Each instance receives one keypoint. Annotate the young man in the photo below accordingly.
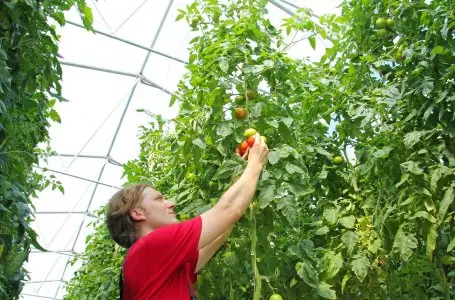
(163, 254)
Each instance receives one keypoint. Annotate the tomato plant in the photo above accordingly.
(29, 74)
(380, 224)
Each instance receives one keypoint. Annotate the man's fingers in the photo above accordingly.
(257, 139)
(245, 155)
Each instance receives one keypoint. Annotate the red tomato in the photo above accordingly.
(243, 147)
(237, 150)
(241, 113)
(250, 141)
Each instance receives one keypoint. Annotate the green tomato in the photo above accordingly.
(239, 99)
(389, 23)
(337, 160)
(276, 297)
(381, 33)
(381, 23)
(249, 132)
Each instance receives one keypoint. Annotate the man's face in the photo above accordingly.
(155, 210)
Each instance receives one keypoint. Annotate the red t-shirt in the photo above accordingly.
(159, 265)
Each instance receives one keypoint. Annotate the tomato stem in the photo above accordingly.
(254, 239)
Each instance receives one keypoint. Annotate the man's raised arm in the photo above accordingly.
(237, 198)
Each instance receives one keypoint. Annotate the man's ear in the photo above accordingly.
(137, 214)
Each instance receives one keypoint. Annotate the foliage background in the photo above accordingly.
(30, 77)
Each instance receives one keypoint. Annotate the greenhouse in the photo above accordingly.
(282, 149)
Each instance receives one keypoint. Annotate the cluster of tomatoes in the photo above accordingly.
(383, 26)
(250, 136)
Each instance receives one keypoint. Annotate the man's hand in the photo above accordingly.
(246, 154)
(259, 152)
(237, 198)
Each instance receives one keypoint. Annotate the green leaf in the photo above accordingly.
(425, 18)
(323, 174)
(59, 17)
(268, 63)
(445, 203)
(221, 149)
(284, 131)
(3, 108)
(173, 99)
(436, 174)
(301, 190)
(274, 157)
(349, 239)
(451, 245)
(411, 138)
(427, 85)
(293, 282)
(429, 205)
(373, 248)
(266, 195)
(412, 167)
(428, 112)
(330, 214)
(289, 209)
(88, 15)
(200, 143)
(325, 291)
(360, 267)
(309, 275)
(256, 110)
(335, 264)
(348, 221)
(437, 50)
(54, 116)
(324, 152)
(404, 243)
(312, 40)
(423, 214)
(321, 231)
(431, 241)
(346, 277)
(224, 130)
(228, 169)
(291, 169)
(224, 64)
(14, 263)
(179, 17)
(382, 153)
(258, 69)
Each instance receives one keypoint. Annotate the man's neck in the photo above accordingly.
(143, 231)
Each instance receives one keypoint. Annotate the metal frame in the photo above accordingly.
(61, 252)
(44, 297)
(79, 177)
(130, 43)
(290, 4)
(107, 158)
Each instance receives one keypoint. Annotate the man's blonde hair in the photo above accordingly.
(118, 219)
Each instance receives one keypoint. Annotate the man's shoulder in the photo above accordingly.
(164, 232)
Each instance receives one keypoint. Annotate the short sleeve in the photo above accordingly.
(175, 244)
